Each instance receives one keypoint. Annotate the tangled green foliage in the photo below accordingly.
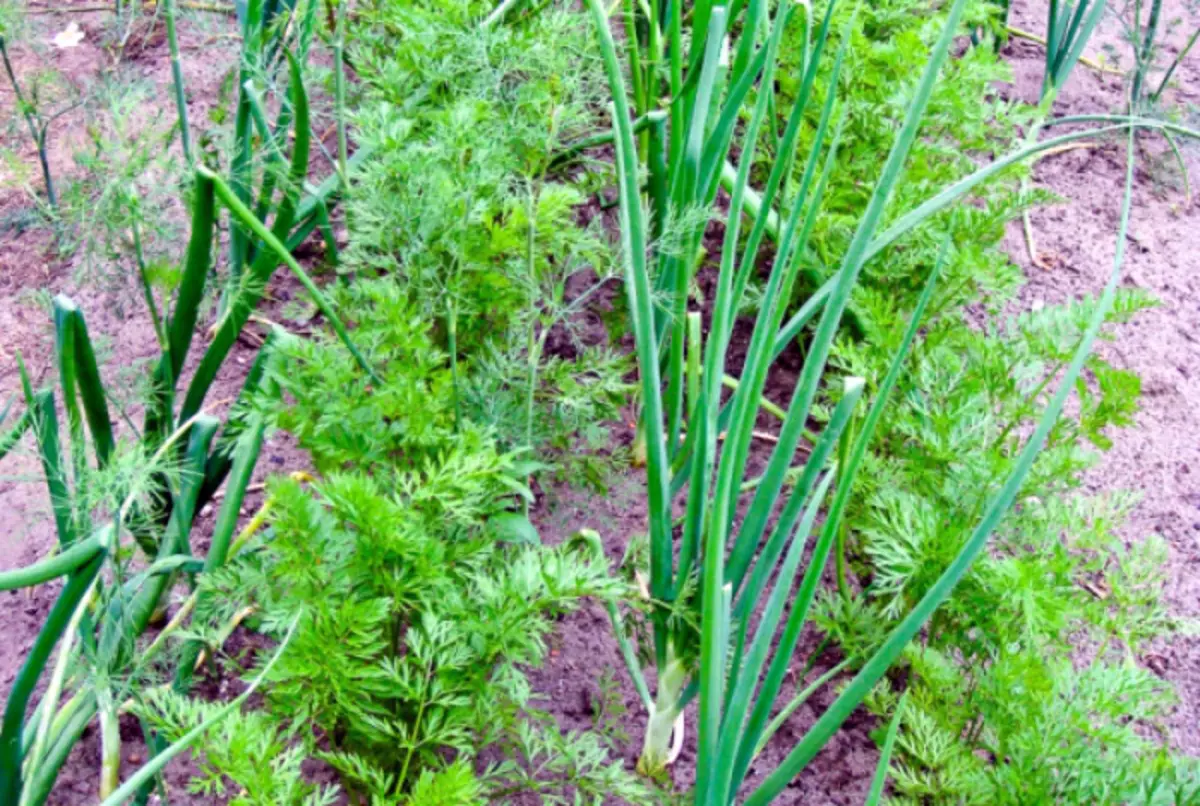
(423, 595)
(967, 121)
(997, 711)
(469, 268)
(423, 591)
(433, 619)
(457, 209)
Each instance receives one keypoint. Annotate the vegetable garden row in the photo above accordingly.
(741, 258)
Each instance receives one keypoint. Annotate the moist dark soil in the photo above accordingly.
(1158, 457)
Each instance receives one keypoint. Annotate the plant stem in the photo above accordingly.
(110, 753)
(185, 136)
(1029, 36)
(242, 213)
(661, 724)
(629, 656)
(640, 99)
(37, 133)
(1162, 85)
(1145, 54)
(58, 676)
(339, 99)
(694, 358)
(452, 339)
(501, 11)
(416, 726)
(797, 701)
(535, 343)
(139, 255)
(1049, 94)
(844, 443)
(732, 383)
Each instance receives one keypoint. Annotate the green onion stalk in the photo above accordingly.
(185, 135)
(1069, 26)
(731, 583)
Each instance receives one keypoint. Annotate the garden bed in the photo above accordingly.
(583, 681)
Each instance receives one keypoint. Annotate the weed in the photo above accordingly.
(117, 209)
(39, 101)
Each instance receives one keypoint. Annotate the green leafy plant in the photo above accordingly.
(705, 585)
(276, 38)
(151, 495)
(1061, 734)
(888, 43)
(410, 573)
(156, 488)
(116, 215)
(248, 749)
(413, 554)
(950, 431)
(1069, 26)
(461, 206)
(39, 112)
(1144, 25)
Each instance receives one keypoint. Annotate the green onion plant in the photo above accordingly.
(1165, 81)
(339, 97)
(98, 617)
(1069, 27)
(724, 618)
(259, 167)
(183, 456)
(1143, 47)
(185, 135)
(1143, 37)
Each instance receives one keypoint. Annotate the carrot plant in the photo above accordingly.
(413, 555)
(988, 687)
(710, 569)
(415, 626)
(462, 207)
(888, 43)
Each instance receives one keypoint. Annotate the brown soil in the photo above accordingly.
(1159, 457)
(29, 264)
